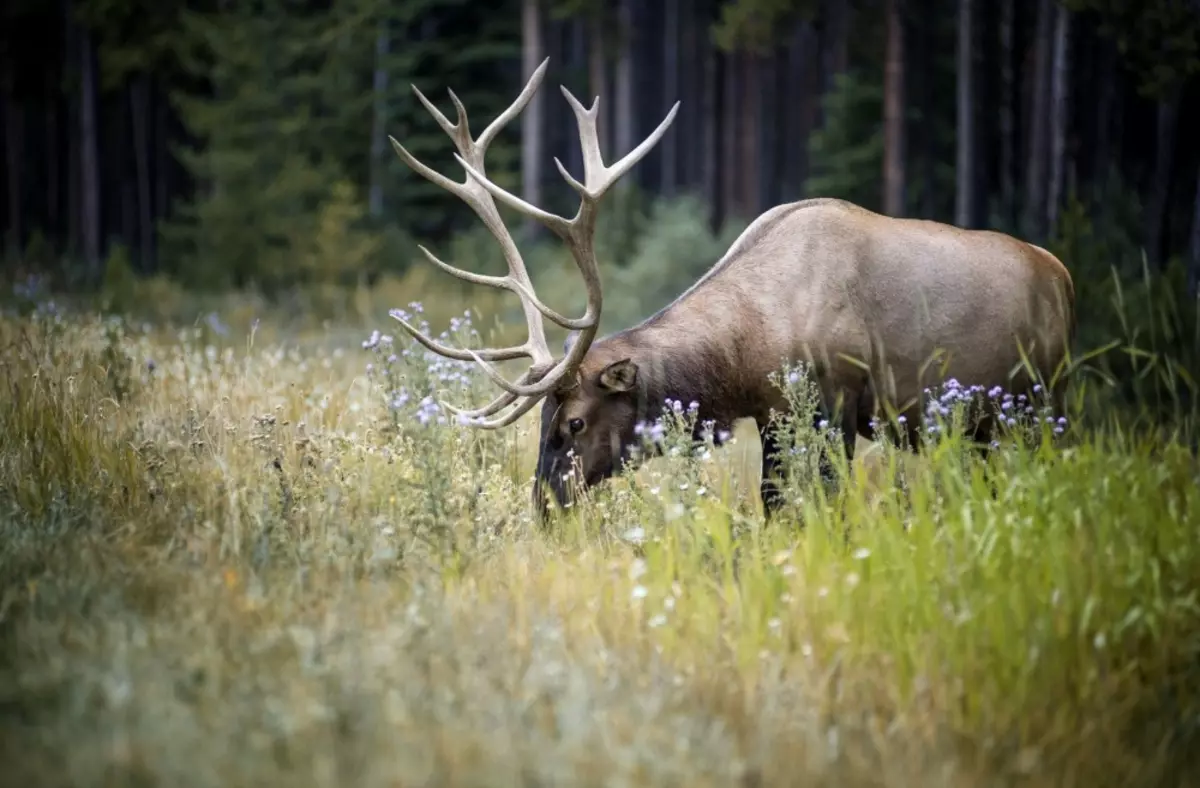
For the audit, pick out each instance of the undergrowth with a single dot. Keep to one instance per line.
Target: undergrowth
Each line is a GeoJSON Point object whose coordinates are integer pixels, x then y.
{"type": "Point", "coordinates": [230, 559]}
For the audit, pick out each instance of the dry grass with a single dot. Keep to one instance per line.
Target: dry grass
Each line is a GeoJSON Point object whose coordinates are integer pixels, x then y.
{"type": "Point", "coordinates": [241, 567]}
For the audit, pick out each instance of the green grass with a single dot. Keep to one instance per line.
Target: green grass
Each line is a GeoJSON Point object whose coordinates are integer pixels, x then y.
{"type": "Point", "coordinates": [240, 567]}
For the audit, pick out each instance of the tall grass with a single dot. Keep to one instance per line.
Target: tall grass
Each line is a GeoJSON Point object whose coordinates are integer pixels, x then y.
{"type": "Point", "coordinates": [244, 557]}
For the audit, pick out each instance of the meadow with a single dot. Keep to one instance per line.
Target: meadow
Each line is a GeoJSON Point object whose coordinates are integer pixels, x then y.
{"type": "Point", "coordinates": [249, 549]}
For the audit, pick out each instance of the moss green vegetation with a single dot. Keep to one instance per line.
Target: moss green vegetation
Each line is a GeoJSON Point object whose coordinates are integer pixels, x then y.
{"type": "Point", "coordinates": [245, 556]}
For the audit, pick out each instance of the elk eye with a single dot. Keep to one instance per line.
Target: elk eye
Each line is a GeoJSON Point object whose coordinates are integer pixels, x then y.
{"type": "Point", "coordinates": [575, 426]}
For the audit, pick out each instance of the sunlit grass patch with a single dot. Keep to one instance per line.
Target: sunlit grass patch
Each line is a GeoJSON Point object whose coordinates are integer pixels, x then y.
{"type": "Point", "coordinates": [229, 559]}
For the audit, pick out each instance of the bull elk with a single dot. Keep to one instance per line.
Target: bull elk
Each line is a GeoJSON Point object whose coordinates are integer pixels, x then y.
{"type": "Point", "coordinates": [819, 280]}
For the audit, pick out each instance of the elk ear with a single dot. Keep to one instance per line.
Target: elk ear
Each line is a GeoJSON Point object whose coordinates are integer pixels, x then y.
{"type": "Point", "coordinates": [570, 341]}
{"type": "Point", "coordinates": [619, 376]}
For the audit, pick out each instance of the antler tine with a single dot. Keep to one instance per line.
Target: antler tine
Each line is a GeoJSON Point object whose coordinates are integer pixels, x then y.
{"type": "Point", "coordinates": [517, 412]}
{"type": "Point", "coordinates": [597, 176]}
{"type": "Point", "coordinates": [577, 232]}
{"type": "Point", "coordinates": [514, 109]}
{"type": "Point", "coordinates": [478, 192]}
{"type": "Point", "coordinates": [491, 354]}
{"type": "Point", "coordinates": [480, 202]}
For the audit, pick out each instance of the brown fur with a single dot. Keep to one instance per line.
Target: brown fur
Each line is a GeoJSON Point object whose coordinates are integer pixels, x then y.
{"type": "Point", "coordinates": [825, 281]}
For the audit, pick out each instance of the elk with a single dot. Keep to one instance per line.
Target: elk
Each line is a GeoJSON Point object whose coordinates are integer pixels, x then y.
{"type": "Point", "coordinates": [867, 301]}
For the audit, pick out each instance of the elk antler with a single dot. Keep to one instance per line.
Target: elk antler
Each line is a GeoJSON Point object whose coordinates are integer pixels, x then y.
{"type": "Point", "coordinates": [578, 233]}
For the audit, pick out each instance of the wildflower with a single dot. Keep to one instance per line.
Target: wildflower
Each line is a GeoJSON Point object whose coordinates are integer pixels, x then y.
{"type": "Point", "coordinates": [636, 535]}
{"type": "Point", "coordinates": [639, 592]}
{"type": "Point", "coordinates": [862, 553]}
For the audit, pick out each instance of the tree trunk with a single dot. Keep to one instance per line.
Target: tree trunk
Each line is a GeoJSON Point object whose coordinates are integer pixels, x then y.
{"type": "Point", "coordinates": [730, 164]}
{"type": "Point", "coordinates": [668, 178]}
{"type": "Point", "coordinates": [1103, 119]}
{"type": "Point", "coordinates": [1164, 149]}
{"type": "Point", "coordinates": [531, 119]}
{"type": "Point", "coordinates": [139, 105]}
{"type": "Point", "coordinates": [13, 122]}
{"type": "Point", "coordinates": [804, 76]}
{"type": "Point", "coordinates": [893, 112]}
{"type": "Point", "coordinates": [1059, 116]}
{"type": "Point", "coordinates": [162, 174]}
{"type": "Point", "coordinates": [750, 164]}
{"type": "Point", "coordinates": [1193, 278]}
{"type": "Point", "coordinates": [379, 86]}
{"type": "Point", "coordinates": [53, 168]}
{"type": "Point", "coordinates": [691, 93]}
{"type": "Point", "coordinates": [1039, 112]}
{"type": "Point", "coordinates": [1008, 146]}
{"type": "Point", "coordinates": [577, 47]}
{"type": "Point", "coordinates": [625, 107]}
{"type": "Point", "coordinates": [834, 44]}
{"type": "Point", "coordinates": [598, 79]}
{"type": "Point", "coordinates": [713, 108]}
{"type": "Point", "coordinates": [964, 206]}
{"type": "Point", "coordinates": [89, 156]}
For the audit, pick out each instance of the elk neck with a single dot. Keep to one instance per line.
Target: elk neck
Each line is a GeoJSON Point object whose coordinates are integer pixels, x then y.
{"type": "Point", "coordinates": [694, 350]}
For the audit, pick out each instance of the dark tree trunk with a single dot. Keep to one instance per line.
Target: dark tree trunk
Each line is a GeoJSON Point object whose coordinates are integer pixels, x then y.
{"type": "Point", "coordinates": [691, 93]}
{"type": "Point", "coordinates": [626, 109]}
{"type": "Point", "coordinates": [53, 168]}
{"type": "Point", "coordinates": [598, 79]}
{"type": "Point", "coordinates": [379, 85]}
{"type": "Point", "coordinates": [1008, 145]}
{"type": "Point", "coordinates": [89, 157]}
{"type": "Point", "coordinates": [834, 43]}
{"type": "Point", "coordinates": [714, 105]}
{"type": "Point", "coordinates": [162, 174]}
{"type": "Point", "coordinates": [804, 75]}
{"type": "Point", "coordinates": [893, 112]}
{"type": "Point", "coordinates": [532, 53]}
{"type": "Point", "coordinates": [751, 89]}
{"type": "Point", "coordinates": [1193, 278]}
{"type": "Point", "coordinates": [1164, 149]}
{"type": "Point", "coordinates": [731, 183]}
{"type": "Point", "coordinates": [1059, 115]}
{"type": "Point", "coordinates": [1039, 112]}
{"type": "Point", "coordinates": [139, 104]}
{"type": "Point", "coordinates": [964, 206]}
{"type": "Point", "coordinates": [1102, 149]}
{"type": "Point", "coordinates": [669, 178]}
{"type": "Point", "coordinates": [13, 127]}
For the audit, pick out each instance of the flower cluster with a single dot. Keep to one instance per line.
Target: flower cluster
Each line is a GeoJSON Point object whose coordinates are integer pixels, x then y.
{"type": "Point", "coordinates": [676, 426]}
{"type": "Point", "coordinates": [410, 377]}
{"type": "Point", "coordinates": [1012, 412]}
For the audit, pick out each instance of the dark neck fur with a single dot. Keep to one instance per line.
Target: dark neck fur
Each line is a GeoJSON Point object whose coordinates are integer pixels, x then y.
{"type": "Point", "coordinates": [688, 367]}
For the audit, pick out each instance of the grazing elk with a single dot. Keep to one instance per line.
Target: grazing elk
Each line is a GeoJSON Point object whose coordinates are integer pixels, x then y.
{"type": "Point", "coordinates": [866, 300]}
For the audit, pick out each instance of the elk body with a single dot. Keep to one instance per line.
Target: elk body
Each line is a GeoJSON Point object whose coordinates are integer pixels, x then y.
{"type": "Point", "coordinates": [880, 308]}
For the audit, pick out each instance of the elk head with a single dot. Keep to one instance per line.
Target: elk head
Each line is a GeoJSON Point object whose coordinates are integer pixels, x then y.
{"type": "Point", "coordinates": [588, 412]}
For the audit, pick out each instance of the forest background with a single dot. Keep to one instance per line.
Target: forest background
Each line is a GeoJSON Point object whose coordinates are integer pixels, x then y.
{"type": "Point", "coordinates": [156, 151]}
